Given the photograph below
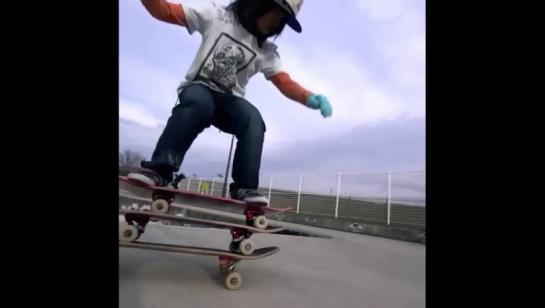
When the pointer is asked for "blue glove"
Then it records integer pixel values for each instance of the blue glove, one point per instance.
(320, 102)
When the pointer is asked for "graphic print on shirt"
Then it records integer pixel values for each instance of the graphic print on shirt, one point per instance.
(225, 59)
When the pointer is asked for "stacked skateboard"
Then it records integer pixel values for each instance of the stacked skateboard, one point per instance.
(241, 247)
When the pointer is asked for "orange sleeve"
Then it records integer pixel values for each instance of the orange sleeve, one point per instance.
(166, 11)
(290, 88)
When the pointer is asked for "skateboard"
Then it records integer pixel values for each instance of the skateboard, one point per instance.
(136, 222)
(233, 279)
(162, 197)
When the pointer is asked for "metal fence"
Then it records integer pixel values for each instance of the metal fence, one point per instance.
(397, 198)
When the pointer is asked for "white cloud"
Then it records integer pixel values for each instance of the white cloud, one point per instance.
(398, 37)
(357, 94)
(397, 145)
(152, 85)
(137, 113)
(384, 10)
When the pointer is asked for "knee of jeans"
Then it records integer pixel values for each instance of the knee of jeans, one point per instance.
(255, 126)
(199, 108)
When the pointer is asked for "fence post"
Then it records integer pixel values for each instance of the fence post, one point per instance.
(212, 189)
(188, 183)
(199, 186)
(299, 193)
(389, 196)
(270, 189)
(338, 195)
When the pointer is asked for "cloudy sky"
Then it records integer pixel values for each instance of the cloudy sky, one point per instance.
(366, 56)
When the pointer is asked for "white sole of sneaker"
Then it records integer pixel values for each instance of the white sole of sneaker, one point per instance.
(257, 200)
(141, 178)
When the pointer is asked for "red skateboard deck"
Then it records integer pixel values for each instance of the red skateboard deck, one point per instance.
(163, 196)
(226, 201)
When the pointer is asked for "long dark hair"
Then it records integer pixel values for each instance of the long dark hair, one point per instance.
(247, 13)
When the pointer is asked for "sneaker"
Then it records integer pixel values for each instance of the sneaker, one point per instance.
(250, 196)
(149, 177)
(177, 179)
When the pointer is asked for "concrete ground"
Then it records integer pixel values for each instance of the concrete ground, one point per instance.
(349, 270)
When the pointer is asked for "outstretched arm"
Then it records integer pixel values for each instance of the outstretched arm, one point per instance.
(166, 11)
(296, 92)
(290, 88)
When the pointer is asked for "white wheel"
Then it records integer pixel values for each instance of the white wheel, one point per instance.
(246, 247)
(127, 233)
(261, 222)
(159, 206)
(233, 281)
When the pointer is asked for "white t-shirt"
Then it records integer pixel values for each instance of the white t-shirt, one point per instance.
(228, 55)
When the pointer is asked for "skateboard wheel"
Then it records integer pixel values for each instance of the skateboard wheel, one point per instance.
(261, 222)
(246, 247)
(159, 206)
(233, 281)
(127, 233)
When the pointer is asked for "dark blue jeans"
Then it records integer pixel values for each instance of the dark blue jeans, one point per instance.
(200, 107)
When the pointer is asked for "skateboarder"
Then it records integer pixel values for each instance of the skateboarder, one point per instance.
(235, 46)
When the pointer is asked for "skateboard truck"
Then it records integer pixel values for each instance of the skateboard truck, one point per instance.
(237, 233)
(137, 225)
(255, 217)
(227, 264)
(241, 241)
(161, 201)
(233, 279)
